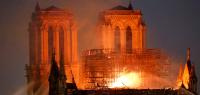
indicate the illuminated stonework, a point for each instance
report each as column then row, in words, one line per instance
column 123, row 54
column 51, row 30
column 123, row 62
column 122, row 29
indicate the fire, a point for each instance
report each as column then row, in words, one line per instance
column 127, row 80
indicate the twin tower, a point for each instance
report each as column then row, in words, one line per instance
column 55, row 30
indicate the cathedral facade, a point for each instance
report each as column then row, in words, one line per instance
column 122, row 29
column 122, row 34
column 50, row 29
column 53, row 51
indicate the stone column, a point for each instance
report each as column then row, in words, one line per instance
column 56, row 43
column 44, row 45
column 74, row 43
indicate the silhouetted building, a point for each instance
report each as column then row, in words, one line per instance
column 57, row 79
column 187, row 78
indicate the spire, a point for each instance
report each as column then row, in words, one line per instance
column 54, row 72
column 37, row 7
column 53, row 77
column 130, row 7
column 57, row 77
column 62, row 77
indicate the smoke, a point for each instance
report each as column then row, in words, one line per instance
column 86, row 15
column 22, row 90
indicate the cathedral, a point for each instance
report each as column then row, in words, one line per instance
column 122, row 65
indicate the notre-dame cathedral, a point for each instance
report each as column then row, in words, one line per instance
column 53, row 49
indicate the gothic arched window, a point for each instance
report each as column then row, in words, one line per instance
column 50, row 42
column 117, row 43
column 128, row 39
column 61, row 39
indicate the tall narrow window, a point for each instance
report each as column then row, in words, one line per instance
column 50, row 42
column 61, row 40
column 128, row 40
column 117, row 39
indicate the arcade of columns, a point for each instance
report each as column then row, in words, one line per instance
column 123, row 30
column 51, row 30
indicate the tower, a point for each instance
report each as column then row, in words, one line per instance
column 50, row 29
column 122, row 29
column 192, row 83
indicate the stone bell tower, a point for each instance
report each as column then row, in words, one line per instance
column 50, row 29
column 122, row 29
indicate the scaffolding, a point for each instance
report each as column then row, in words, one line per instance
column 98, row 68
column 101, row 67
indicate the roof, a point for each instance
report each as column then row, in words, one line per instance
column 119, row 7
column 53, row 8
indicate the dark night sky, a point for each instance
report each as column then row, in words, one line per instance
column 173, row 25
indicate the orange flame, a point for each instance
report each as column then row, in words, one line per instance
column 186, row 77
column 129, row 80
